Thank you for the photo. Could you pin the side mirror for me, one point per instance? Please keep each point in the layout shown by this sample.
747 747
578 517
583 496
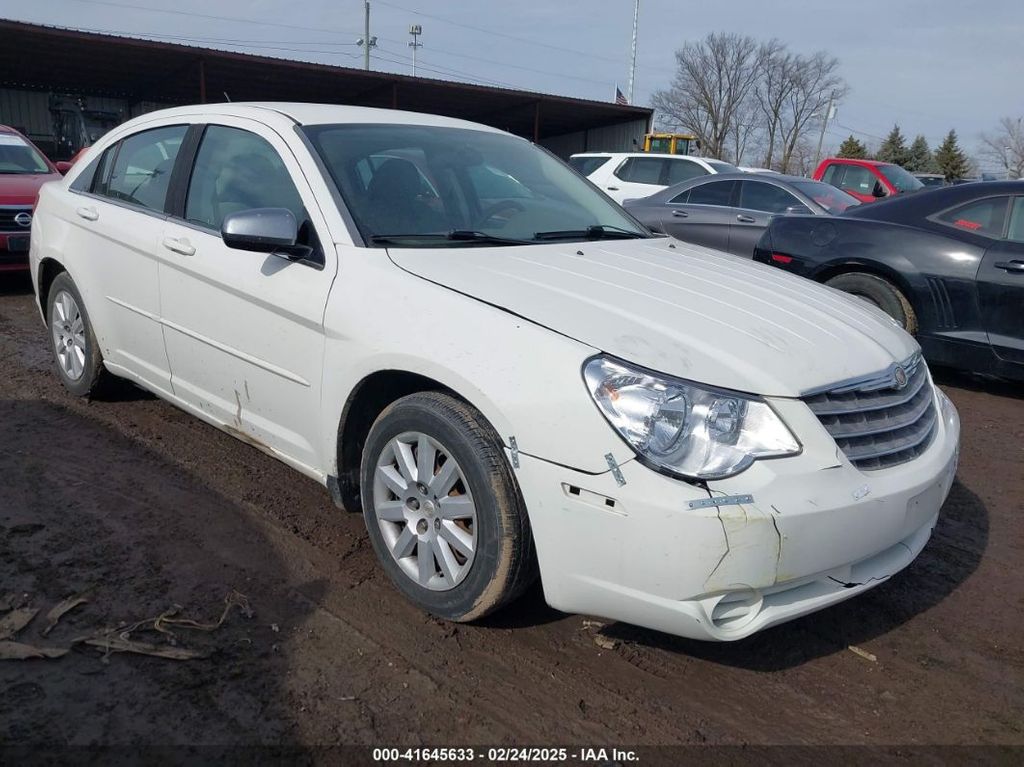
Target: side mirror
63 166
263 230
878 190
798 210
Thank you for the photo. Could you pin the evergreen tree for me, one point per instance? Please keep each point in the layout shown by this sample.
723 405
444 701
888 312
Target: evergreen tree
894 148
919 157
951 160
852 149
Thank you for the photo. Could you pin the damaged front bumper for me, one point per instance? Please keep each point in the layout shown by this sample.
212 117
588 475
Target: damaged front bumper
815 531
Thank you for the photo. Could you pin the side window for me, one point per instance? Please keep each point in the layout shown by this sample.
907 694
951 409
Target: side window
768 198
984 217
858 179
237 170
680 199
683 170
713 193
833 174
1016 233
85 180
587 165
142 166
641 170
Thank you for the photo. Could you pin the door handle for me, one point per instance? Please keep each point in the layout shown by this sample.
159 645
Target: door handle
680 214
745 219
1011 266
89 214
182 246
612 188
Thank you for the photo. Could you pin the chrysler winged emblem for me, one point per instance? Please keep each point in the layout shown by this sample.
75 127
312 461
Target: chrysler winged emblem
900 377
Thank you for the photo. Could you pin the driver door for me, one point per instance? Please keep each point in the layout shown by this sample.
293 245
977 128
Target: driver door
1001 289
244 330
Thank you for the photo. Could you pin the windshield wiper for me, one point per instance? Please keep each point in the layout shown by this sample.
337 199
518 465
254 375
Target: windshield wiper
456 235
594 232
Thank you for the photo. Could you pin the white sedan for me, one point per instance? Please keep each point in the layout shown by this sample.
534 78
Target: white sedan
635 175
448 328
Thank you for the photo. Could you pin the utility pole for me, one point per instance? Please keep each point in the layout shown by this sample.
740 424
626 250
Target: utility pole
632 67
366 41
824 122
415 30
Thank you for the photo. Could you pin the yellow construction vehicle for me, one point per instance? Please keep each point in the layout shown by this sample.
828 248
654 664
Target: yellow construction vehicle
670 143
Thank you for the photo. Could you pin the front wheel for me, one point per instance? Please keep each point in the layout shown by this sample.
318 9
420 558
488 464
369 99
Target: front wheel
76 352
879 292
442 508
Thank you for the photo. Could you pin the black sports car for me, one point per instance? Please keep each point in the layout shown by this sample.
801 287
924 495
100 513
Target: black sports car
948 264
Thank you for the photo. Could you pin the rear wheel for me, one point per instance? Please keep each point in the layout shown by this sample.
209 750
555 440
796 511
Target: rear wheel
76 352
442 508
879 292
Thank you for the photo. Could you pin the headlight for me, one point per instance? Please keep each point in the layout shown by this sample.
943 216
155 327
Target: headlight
691 430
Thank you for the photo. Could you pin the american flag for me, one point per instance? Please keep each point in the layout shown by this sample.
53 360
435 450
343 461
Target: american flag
619 98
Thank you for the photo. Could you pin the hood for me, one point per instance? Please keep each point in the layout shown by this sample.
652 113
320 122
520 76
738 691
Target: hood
21 189
679 309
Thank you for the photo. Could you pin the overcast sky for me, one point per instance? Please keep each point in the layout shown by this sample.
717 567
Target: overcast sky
929 65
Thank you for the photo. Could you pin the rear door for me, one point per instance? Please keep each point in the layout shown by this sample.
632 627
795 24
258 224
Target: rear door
116 225
759 201
635 178
244 330
1001 288
702 215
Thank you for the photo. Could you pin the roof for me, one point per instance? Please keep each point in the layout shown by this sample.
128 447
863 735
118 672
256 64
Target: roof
855 161
60 60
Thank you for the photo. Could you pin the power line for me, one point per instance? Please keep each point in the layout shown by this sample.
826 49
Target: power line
193 14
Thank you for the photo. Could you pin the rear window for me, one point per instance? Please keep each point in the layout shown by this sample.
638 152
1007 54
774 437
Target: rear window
984 217
587 165
722 167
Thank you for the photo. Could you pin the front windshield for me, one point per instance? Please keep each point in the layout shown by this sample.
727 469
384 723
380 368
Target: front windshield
420 186
901 179
827 196
19 157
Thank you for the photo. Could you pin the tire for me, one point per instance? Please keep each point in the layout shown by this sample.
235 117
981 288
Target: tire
450 581
76 353
879 292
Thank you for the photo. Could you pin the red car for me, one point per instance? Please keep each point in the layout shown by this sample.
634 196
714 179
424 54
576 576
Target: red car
866 180
23 169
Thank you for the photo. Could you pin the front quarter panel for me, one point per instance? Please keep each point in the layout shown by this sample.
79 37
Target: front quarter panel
524 378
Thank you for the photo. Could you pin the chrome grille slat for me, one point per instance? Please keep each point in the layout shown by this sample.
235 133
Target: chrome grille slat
831 403
878 426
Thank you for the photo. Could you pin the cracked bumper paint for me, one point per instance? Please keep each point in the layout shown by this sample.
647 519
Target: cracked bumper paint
818 531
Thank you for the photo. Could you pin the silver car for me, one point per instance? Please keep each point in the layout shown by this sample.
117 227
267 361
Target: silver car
730 211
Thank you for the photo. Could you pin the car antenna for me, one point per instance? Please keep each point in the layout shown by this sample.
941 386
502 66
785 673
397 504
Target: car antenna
226 96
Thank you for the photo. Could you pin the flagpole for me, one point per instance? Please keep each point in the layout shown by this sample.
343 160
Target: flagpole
632 68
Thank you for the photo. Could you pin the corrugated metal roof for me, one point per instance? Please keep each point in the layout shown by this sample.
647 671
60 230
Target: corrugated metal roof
39 57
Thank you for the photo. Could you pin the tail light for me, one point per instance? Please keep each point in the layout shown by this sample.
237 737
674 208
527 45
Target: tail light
781 258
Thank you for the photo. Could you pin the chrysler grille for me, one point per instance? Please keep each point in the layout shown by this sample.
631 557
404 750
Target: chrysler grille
877 423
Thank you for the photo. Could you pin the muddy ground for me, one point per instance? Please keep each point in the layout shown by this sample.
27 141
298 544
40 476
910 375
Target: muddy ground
150 508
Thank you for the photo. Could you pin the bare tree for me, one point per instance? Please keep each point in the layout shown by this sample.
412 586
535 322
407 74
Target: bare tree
815 82
1006 146
714 78
774 86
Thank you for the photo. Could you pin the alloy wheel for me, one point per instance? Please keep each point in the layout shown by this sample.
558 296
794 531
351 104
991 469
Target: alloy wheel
425 511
